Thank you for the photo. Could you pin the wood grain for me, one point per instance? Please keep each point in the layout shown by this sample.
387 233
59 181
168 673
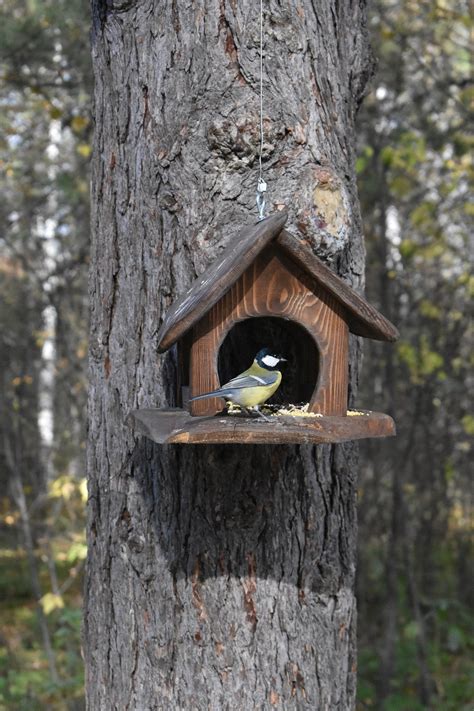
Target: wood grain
213 283
363 318
179 427
273 285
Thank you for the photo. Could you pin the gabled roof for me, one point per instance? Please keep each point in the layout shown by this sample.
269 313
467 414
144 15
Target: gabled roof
363 319
218 278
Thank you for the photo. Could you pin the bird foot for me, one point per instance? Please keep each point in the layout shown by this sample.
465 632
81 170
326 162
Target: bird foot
257 410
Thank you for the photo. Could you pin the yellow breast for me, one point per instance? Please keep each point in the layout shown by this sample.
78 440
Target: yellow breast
257 396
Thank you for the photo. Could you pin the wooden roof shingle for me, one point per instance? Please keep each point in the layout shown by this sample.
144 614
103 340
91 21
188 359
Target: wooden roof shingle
363 319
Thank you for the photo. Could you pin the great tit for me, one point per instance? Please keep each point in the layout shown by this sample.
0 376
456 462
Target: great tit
255 385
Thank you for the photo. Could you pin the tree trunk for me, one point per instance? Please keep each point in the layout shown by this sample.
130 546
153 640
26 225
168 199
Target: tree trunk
219 577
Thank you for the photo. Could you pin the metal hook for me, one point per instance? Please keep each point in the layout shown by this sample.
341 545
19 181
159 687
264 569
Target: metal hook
261 189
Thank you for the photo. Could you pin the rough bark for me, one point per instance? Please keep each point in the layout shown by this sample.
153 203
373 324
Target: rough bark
218 577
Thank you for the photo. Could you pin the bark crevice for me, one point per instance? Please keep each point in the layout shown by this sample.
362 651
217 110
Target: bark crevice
218 576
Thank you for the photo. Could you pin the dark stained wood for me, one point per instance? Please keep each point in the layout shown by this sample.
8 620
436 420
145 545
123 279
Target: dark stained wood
274 286
364 319
182 370
213 283
179 427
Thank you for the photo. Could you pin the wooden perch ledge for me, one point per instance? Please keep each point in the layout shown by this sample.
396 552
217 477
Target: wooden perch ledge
177 426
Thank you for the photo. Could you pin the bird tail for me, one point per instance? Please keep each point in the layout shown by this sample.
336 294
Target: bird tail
214 393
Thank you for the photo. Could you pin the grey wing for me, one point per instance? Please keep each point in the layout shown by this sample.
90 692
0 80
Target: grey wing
250 381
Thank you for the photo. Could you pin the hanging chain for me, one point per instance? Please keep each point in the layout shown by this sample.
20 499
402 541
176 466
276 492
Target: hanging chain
261 184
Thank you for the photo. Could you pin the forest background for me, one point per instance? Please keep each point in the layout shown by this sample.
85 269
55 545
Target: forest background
415 170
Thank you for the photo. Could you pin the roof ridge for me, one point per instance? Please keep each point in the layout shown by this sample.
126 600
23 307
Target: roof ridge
363 318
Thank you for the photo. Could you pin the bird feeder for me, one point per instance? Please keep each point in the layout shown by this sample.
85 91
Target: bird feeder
267 289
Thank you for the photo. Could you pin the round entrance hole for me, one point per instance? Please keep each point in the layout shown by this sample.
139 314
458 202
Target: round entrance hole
286 338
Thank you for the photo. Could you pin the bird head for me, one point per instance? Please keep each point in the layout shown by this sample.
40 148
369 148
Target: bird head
267 359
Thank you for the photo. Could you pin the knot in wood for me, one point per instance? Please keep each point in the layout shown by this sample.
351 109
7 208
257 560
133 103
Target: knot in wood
239 140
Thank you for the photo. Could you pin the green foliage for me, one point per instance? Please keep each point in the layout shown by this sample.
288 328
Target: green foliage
25 680
406 153
415 169
449 653
421 361
468 424
363 159
45 128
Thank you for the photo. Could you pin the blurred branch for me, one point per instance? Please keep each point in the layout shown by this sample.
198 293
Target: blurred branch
18 495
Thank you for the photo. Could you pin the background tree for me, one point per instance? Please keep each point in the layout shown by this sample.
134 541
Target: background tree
216 575
44 127
414 174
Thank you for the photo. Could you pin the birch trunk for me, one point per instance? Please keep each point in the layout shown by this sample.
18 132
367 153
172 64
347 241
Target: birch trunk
218 577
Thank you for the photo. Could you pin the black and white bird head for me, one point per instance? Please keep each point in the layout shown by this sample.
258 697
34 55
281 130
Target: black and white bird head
267 359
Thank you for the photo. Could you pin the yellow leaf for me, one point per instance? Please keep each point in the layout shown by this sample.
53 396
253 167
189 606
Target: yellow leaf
67 490
55 113
62 487
430 310
79 123
51 602
78 551
83 489
84 150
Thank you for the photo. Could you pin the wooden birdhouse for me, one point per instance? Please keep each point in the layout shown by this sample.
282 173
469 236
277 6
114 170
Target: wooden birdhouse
267 289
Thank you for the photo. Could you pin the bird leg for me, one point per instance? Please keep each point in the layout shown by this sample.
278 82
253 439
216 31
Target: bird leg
245 411
257 409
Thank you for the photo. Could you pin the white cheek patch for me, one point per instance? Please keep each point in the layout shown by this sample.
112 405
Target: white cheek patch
270 361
